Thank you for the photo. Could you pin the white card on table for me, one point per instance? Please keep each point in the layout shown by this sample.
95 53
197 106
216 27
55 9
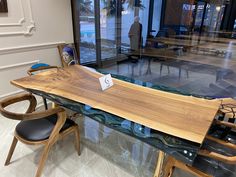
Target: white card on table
106 82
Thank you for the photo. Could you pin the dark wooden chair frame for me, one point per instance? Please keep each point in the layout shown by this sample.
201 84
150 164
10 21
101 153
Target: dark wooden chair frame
31 115
171 163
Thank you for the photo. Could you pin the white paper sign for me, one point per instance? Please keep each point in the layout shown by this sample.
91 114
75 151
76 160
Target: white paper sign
106 81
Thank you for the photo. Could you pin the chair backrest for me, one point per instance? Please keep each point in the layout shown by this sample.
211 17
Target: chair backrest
30 113
39 67
216 155
15 99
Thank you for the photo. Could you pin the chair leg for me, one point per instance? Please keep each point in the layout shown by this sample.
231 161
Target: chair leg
169 167
191 170
43 160
158 170
45 103
77 140
172 163
168 69
180 73
10 153
161 68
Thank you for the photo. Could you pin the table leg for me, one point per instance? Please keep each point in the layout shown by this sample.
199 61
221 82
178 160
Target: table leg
160 161
45 103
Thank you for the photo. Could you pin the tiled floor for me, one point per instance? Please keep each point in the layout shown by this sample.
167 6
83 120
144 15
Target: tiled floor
105 153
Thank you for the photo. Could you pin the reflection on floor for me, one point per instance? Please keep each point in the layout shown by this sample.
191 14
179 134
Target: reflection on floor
105 153
193 78
88 54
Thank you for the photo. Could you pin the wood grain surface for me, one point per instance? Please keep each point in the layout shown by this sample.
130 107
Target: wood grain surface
181 116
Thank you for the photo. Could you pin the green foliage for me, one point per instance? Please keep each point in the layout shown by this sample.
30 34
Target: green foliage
85 7
111 5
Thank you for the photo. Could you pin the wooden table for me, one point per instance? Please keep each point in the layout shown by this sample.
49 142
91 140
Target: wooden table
152 52
222 32
206 39
203 45
176 42
190 117
228 108
165 53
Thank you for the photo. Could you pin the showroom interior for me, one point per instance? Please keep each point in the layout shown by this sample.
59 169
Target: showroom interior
118 88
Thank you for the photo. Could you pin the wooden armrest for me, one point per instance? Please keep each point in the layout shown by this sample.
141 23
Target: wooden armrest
217 156
227 124
18 98
29 115
222 142
34 115
30 71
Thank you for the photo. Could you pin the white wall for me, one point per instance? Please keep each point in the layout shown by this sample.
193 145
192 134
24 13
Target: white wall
30 33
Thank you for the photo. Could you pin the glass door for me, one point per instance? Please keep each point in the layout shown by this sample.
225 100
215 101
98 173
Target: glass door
234 30
126 22
100 37
235 25
131 11
108 11
208 16
213 16
156 17
87 41
199 16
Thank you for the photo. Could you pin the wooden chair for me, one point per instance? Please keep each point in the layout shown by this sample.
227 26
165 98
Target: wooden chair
172 163
45 127
39 67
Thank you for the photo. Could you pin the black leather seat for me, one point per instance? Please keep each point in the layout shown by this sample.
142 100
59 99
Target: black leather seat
40 129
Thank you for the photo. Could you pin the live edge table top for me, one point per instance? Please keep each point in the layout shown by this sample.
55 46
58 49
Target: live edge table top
185 117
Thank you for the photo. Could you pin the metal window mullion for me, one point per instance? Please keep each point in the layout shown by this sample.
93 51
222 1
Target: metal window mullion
150 17
118 21
76 26
97 32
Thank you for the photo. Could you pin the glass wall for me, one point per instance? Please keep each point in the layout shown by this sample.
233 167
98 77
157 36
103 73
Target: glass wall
108 29
200 8
186 47
235 25
87 39
183 45
157 17
127 20
143 15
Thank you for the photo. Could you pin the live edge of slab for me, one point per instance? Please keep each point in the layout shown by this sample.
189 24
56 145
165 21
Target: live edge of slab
185 117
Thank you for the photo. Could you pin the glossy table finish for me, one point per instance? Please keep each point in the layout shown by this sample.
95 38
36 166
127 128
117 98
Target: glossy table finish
181 149
179 119
145 106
